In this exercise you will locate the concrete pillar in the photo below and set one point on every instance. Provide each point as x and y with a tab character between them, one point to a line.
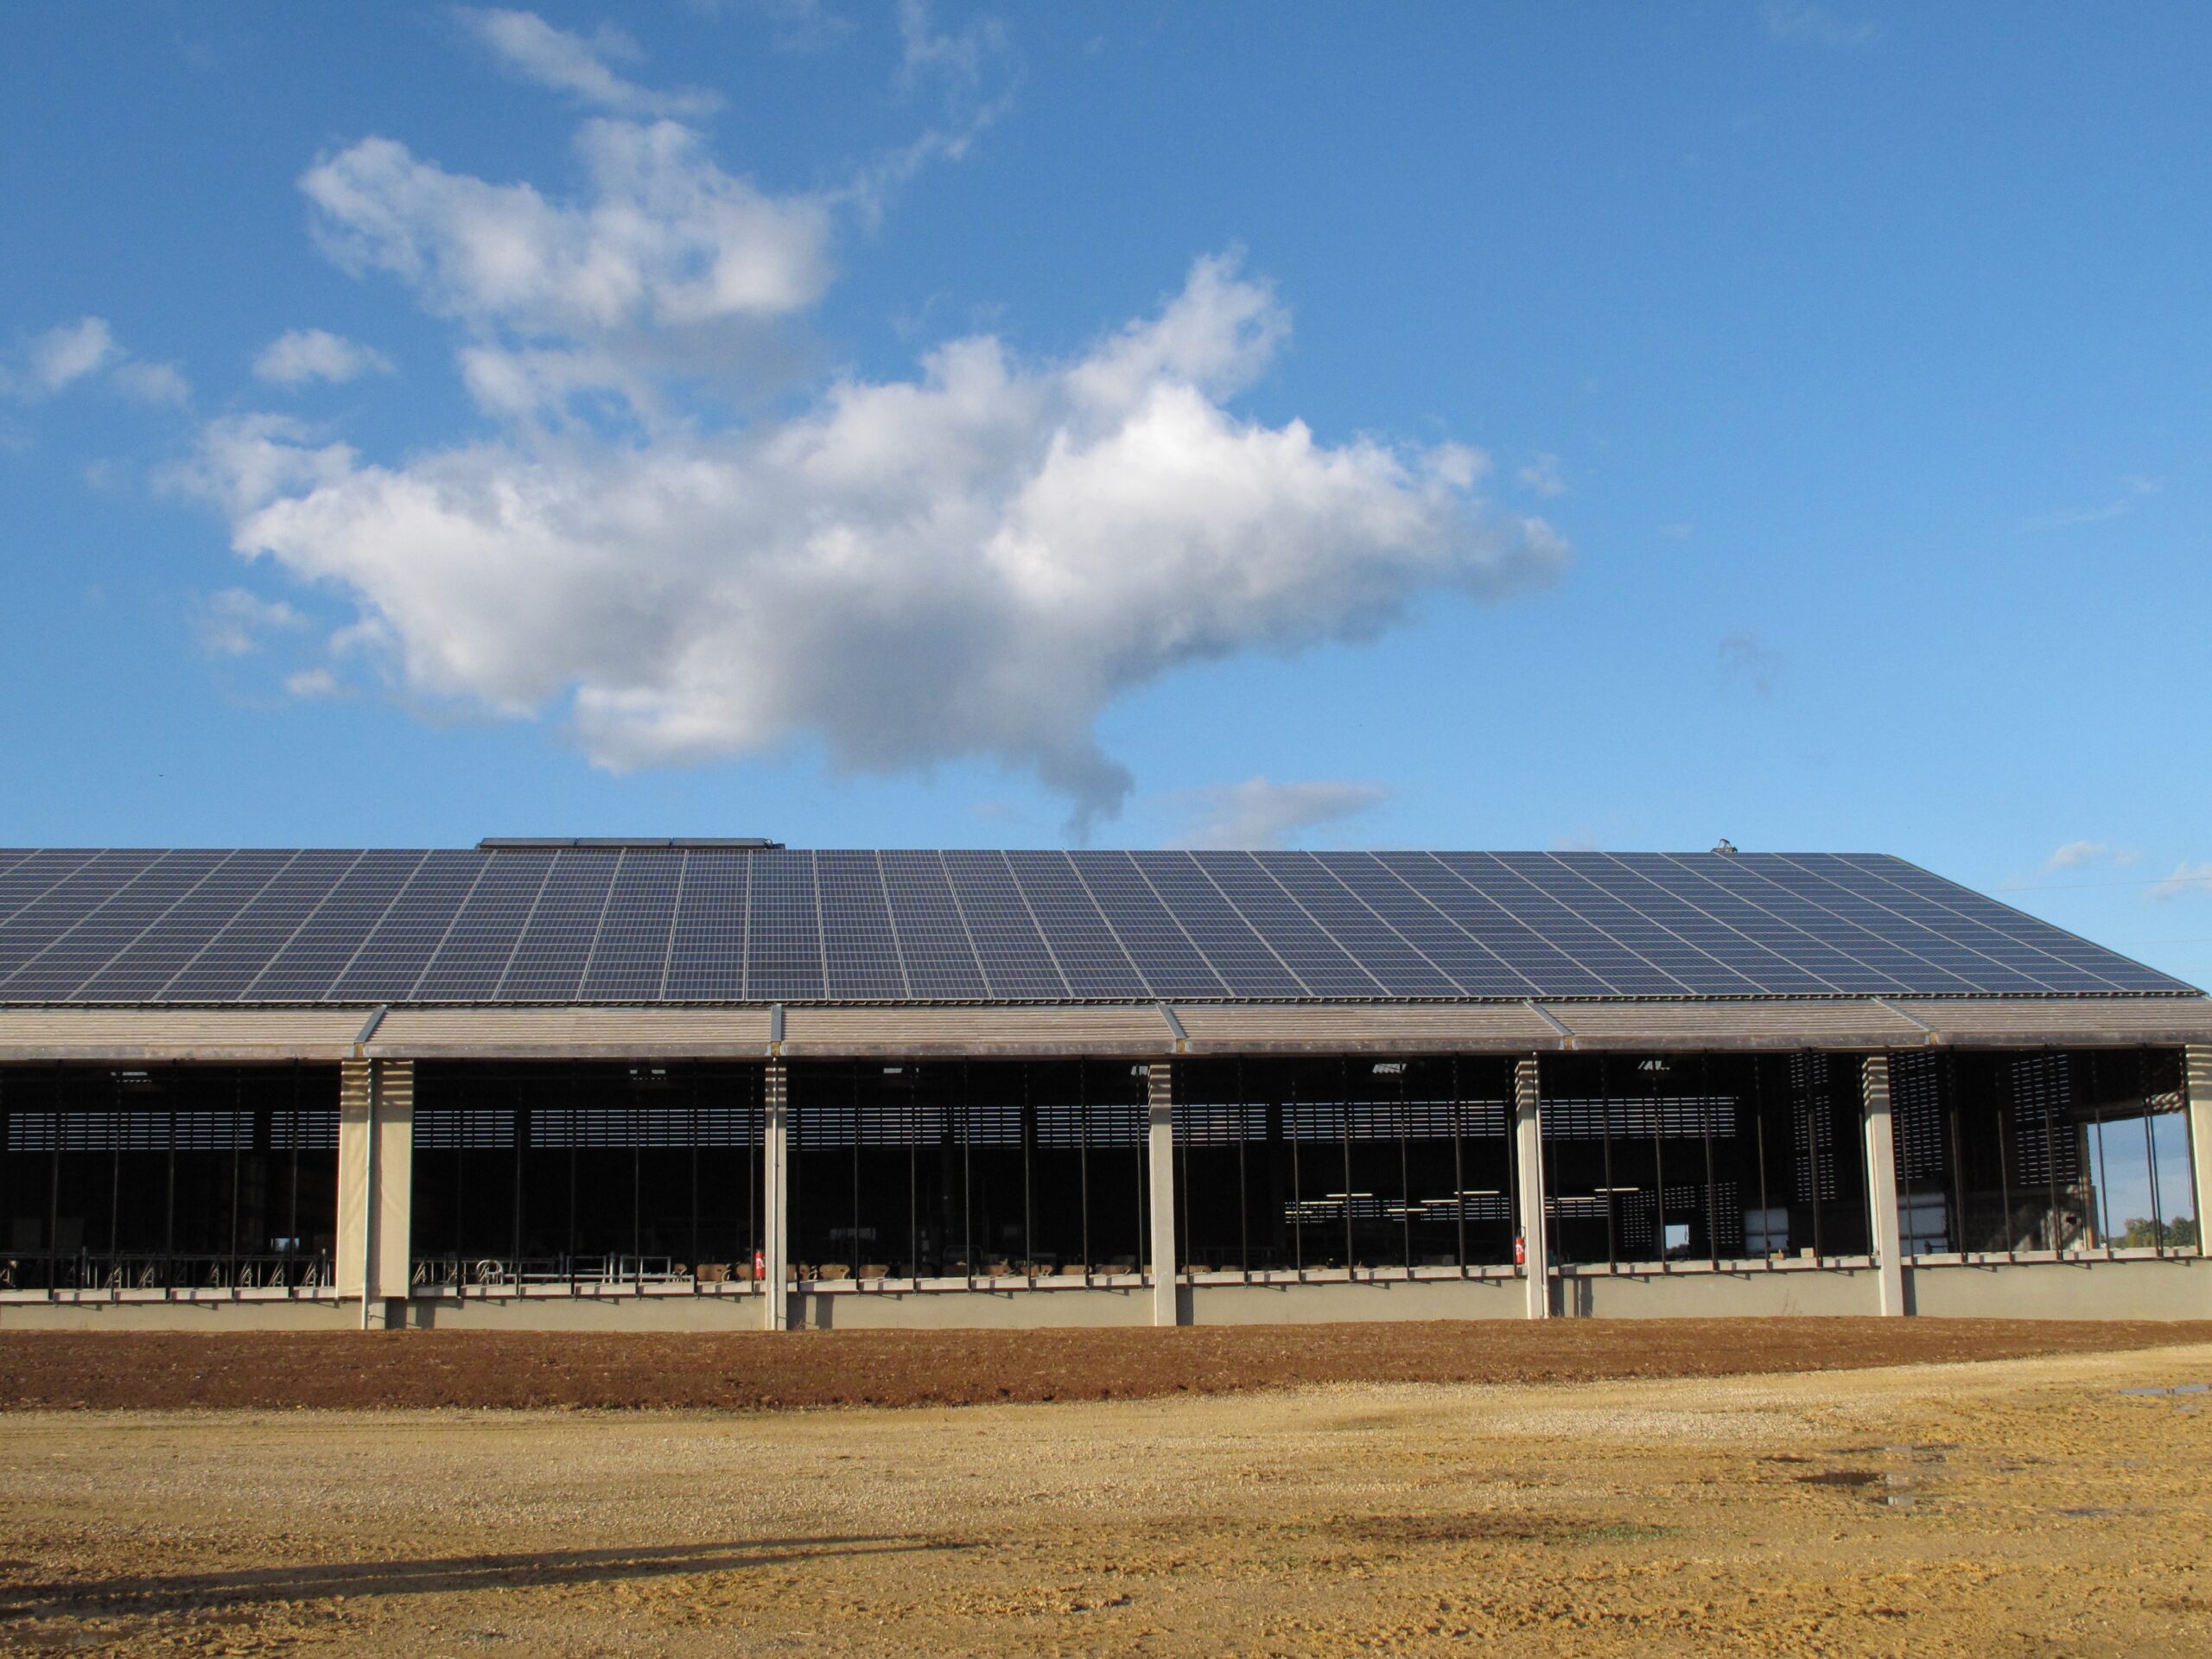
2197	1061
376	1166
775	1230
1159	1142
1528	1162
1882	1186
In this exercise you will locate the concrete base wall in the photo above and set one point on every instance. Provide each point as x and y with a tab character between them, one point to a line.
1753	1293
1340	1303
210	1316
2168	1288
638	1313
997	1310
2176	1288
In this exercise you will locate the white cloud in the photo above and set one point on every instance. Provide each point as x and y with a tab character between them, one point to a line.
234	622
312	683
2186	878
61	356
530	49
975	77
2075	853
1805	21
2132	489
561	297
1544	475
794	25
973	562
300	355
76	351
1257	813
153	383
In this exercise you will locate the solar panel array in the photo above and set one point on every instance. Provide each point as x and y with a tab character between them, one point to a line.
660	924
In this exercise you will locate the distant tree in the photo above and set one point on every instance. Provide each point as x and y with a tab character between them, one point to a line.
2144	1234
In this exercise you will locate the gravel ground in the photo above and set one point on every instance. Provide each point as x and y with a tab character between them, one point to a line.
759	1370
2050	1505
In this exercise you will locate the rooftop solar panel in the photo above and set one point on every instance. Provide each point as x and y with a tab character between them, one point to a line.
647	922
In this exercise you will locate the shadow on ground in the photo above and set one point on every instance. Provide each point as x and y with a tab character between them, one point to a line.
537	1569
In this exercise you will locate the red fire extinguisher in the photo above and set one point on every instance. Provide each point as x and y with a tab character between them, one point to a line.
1520	1251
759	1266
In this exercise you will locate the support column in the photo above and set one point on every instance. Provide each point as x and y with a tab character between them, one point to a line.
1529	1166
2197	1073
1159	1142
376	1166
775	1250
1882	1186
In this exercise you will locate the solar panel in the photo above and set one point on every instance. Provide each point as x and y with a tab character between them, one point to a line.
1243	960
859	946
783	962
1017	959
140	969
707	946
933	939
1090	954
231	956
473	956
1157	943
78	939
708	922
629	955
330	935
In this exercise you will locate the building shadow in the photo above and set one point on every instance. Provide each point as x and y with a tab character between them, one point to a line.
537	1569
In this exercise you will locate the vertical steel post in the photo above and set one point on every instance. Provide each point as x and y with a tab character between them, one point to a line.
1529	1145
2197	1061
1160	1131
1882	1186
775	1248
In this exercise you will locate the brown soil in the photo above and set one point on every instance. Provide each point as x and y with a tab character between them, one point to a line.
410	1370
2045	1506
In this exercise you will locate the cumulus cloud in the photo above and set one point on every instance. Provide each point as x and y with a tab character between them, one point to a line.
970	561
973	561
300	355
235	623
76	353
69	353
1257	813
664	237
594	296
153	384
530	49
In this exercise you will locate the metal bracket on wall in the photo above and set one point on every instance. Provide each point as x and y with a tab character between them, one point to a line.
1928	1033
1175	1025
1566	1030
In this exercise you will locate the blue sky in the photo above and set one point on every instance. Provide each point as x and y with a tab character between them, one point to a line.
1492	426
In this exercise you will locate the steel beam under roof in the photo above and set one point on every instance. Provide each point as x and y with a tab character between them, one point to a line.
1135	1031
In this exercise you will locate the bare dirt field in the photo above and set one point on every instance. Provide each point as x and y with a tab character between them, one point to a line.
2056	1504
756	1370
